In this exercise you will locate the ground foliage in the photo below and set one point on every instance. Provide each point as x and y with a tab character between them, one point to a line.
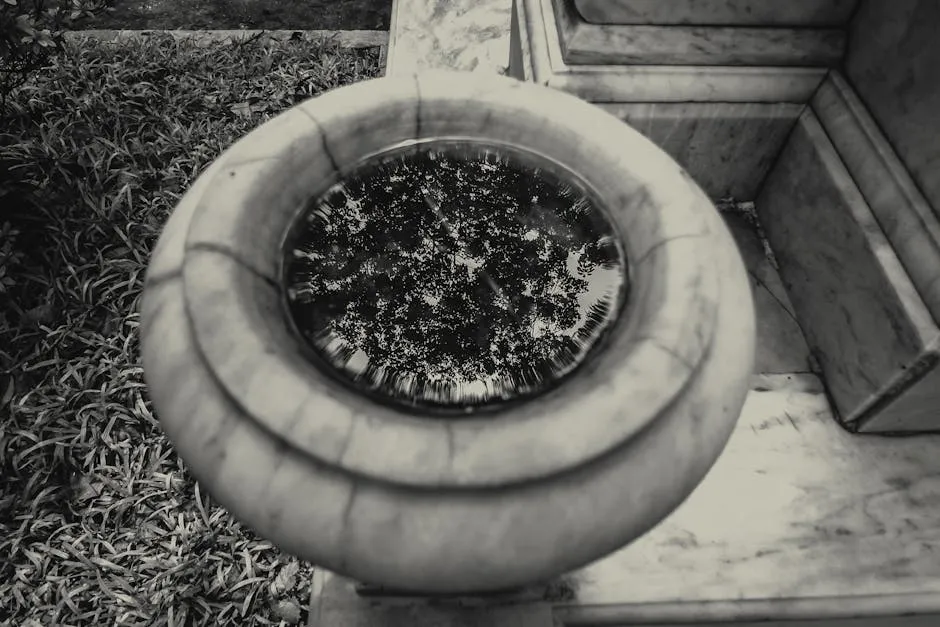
100	522
32	30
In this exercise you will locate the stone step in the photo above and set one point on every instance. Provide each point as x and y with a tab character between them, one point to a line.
536	54
859	253
812	13
798	521
583	42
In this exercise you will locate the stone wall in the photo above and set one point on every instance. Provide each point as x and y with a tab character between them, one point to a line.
893	62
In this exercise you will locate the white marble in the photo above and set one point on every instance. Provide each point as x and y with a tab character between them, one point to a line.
869	329
916	408
795	508
475	36
608	44
727	147
600	459
470	35
344	38
724	12
798	519
902	211
892	62
781	348
650	83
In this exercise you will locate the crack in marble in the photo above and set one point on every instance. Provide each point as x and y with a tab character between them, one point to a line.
227	397
345	528
347	441
223	431
146	323
417	107
224	250
298	412
323	142
663	242
670	351
281	452
760	282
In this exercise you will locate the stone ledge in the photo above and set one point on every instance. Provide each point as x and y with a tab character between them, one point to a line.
870	330
798	520
756	44
807	13
536	55
708	139
345	38
903	213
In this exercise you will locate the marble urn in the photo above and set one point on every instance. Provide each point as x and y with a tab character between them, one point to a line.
390	497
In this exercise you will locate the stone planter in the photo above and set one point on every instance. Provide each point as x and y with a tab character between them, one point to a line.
488	501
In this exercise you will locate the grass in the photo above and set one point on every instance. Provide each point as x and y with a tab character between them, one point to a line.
254	14
100	521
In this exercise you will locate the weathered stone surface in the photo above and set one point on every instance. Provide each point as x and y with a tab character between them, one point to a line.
901	209
892	64
727	147
727	12
539	58
586	43
862	315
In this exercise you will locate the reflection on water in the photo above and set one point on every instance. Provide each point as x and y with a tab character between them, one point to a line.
452	275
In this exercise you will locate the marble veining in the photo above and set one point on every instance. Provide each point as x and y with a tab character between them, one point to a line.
892	64
725	12
468	35
651	83
781	347
794	508
587	43
916	409
797	519
894	198
727	147
862	315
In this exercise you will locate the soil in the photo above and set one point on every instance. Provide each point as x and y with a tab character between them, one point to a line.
248	14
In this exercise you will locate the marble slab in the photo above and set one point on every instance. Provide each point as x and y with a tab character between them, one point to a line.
723	12
544	63
901	209
892	62
608	44
798	519
781	348
728	148
868	328
914	408
467	35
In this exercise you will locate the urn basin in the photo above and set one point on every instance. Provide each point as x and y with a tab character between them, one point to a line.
444	491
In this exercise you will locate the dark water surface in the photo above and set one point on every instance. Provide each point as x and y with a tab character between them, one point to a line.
453	276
